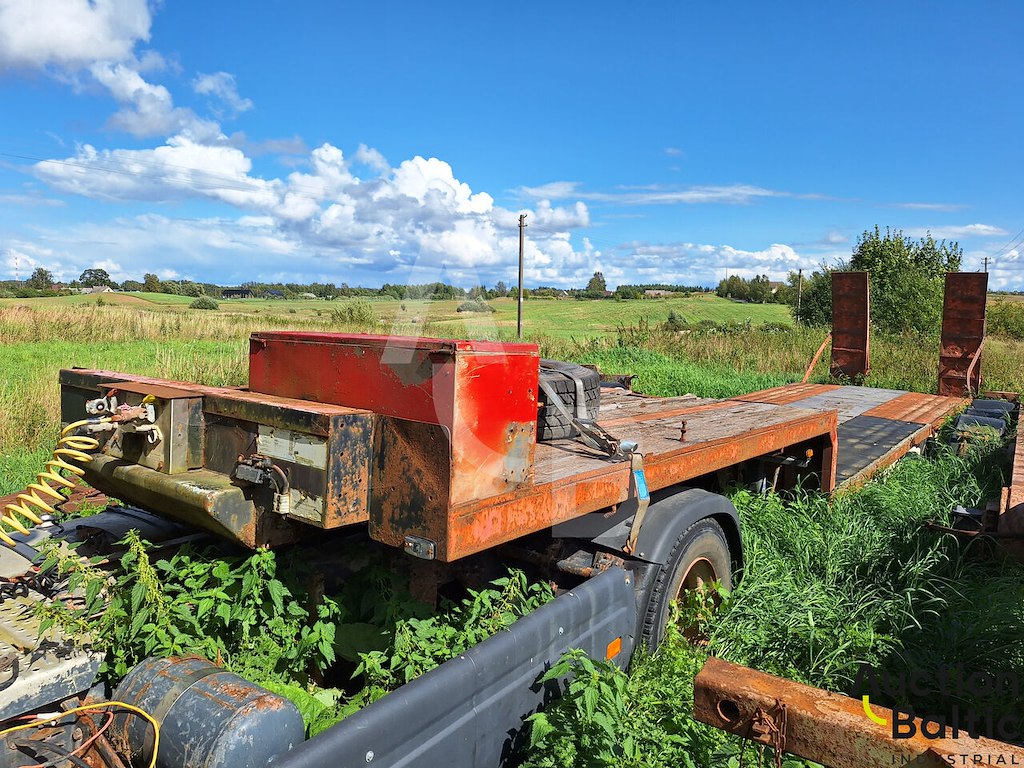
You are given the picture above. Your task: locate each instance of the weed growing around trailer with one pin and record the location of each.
(254, 613)
(826, 588)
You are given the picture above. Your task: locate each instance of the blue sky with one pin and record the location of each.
(656, 142)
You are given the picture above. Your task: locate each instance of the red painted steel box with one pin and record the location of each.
(457, 419)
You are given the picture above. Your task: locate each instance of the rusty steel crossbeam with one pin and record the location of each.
(963, 333)
(851, 324)
(828, 728)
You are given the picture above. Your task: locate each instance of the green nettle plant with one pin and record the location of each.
(234, 609)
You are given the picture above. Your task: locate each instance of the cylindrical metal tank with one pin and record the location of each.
(209, 718)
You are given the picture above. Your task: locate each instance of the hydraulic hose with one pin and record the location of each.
(70, 448)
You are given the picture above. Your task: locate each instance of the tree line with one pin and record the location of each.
(42, 283)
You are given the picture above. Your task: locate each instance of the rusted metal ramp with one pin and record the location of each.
(876, 426)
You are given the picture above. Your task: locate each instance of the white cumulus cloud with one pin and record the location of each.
(417, 216)
(70, 33)
(146, 109)
(705, 264)
(222, 85)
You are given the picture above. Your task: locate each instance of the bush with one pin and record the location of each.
(1006, 318)
(676, 322)
(708, 326)
(204, 302)
(475, 306)
(357, 312)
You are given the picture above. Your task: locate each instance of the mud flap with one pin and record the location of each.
(469, 712)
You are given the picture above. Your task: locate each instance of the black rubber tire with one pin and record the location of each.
(703, 541)
(551, 424)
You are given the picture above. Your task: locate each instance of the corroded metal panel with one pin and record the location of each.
(963, 333)
(203, 498)
(851, 324)
(477, 526)
(787, 393)
(326, 493)
(829, 728)
(483, 394)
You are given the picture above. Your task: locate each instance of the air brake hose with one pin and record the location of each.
(70, 448)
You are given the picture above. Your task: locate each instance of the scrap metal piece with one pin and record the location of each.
(851, 324)
(38, 668)
(834, 730)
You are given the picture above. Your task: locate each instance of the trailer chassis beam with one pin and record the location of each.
(834, 730)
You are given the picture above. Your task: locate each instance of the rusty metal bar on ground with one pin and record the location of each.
(963, 333)
(814, 362)
(834, 730)
(851, 324)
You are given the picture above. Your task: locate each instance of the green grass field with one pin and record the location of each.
(553, 318)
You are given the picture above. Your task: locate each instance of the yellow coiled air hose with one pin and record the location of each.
(70, 447)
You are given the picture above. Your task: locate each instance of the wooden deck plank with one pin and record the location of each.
(709, 422)
(849, 401)
(618, 405)
(589, 483)
(1015, 497)
(787, 393)
(918, 407)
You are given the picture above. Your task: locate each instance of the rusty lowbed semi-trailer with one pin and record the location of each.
(431, 443)
(430, 446)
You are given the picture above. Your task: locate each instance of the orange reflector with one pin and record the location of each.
(613, 648)
(809, 453)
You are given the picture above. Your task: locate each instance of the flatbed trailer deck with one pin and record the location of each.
(853, 431)
(875, 426)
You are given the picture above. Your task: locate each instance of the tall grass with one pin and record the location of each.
(827, 585)
(832, 582)
(782, 354)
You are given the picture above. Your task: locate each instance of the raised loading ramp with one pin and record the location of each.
(963, 333)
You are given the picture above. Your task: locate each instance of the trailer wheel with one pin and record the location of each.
(699, 557)
(551, 424)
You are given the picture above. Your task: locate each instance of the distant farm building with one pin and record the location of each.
(307, 295)
(237, 293)
(657, 294)
(273, 295)
(98, 289)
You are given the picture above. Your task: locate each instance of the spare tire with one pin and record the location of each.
(551, 423)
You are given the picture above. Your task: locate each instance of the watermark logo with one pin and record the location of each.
(980, 719)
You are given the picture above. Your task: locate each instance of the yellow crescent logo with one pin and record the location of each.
(871, 715)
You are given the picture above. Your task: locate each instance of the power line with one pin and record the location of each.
(1014, 242)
